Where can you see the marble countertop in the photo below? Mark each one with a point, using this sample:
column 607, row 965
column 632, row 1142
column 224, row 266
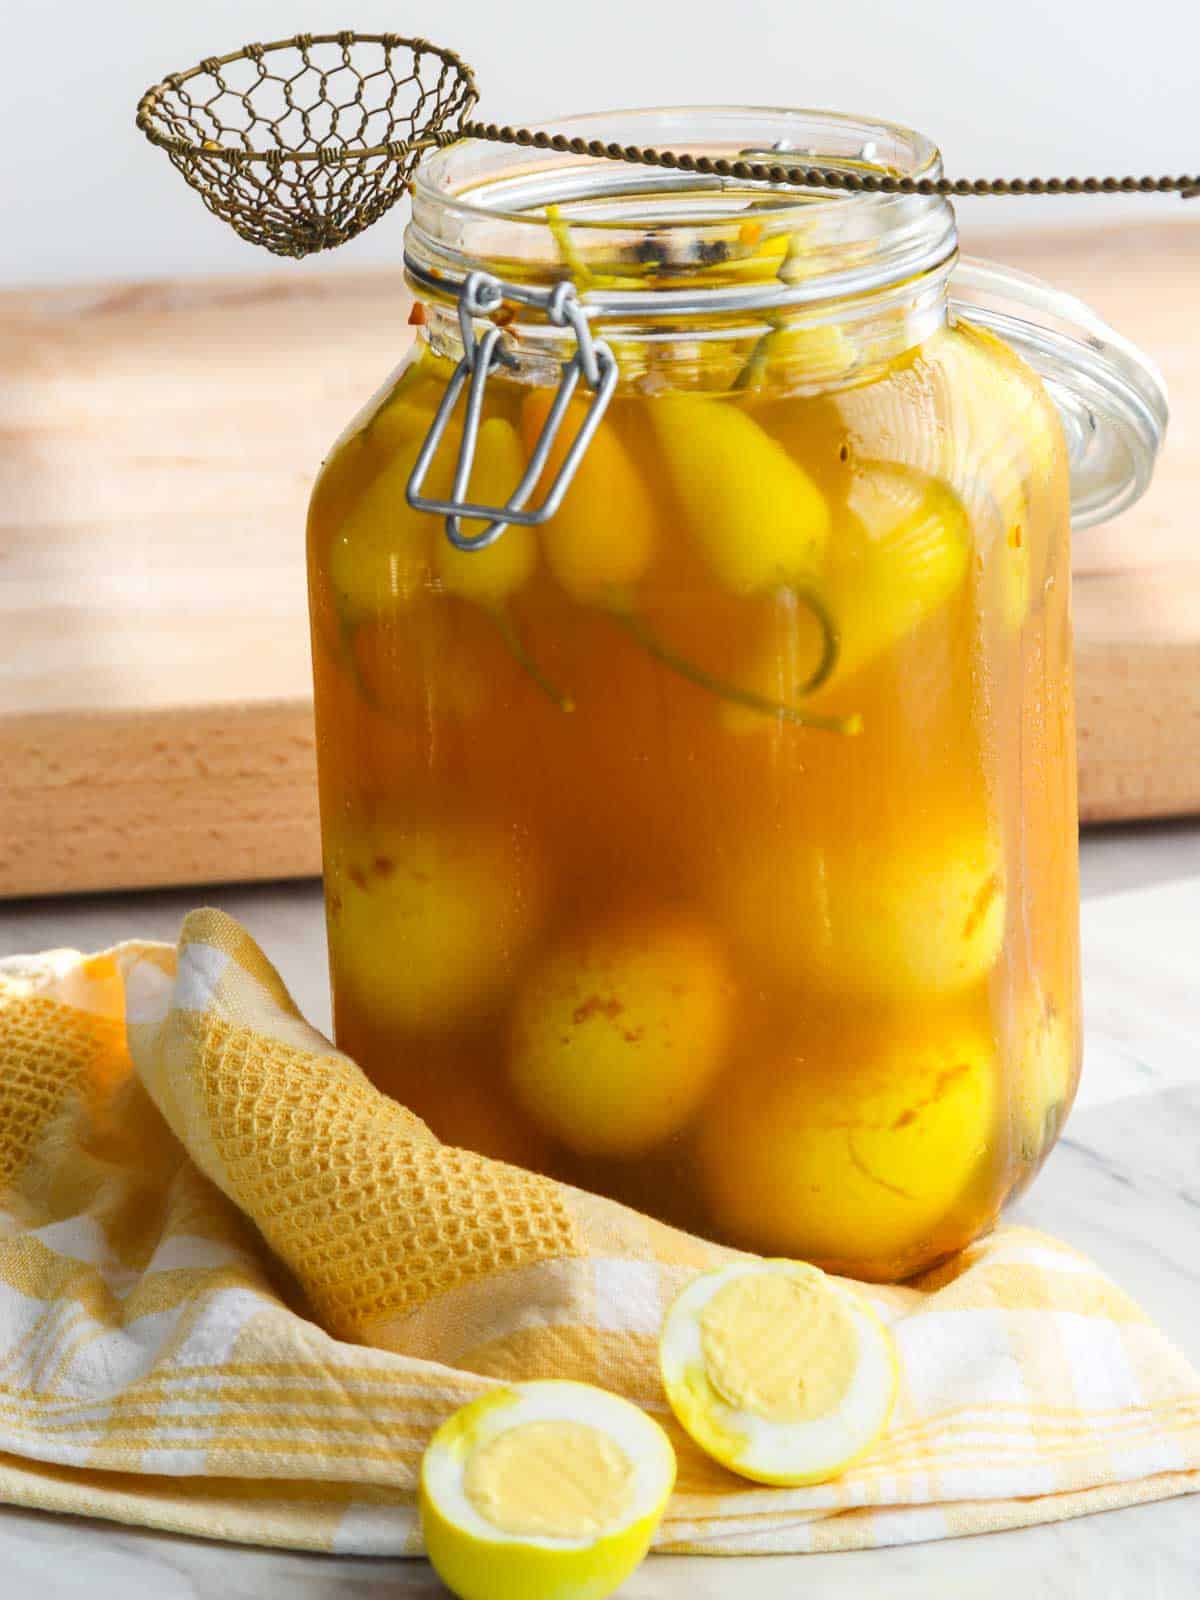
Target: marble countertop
column 1123, row 1186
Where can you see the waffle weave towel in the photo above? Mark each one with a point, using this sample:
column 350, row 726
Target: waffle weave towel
column 239, row 1288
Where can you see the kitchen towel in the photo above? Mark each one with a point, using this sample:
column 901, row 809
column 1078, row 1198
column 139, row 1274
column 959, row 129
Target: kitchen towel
column 239, row 1288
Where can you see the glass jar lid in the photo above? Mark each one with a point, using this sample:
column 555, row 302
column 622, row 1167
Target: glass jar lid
column 1109, row 395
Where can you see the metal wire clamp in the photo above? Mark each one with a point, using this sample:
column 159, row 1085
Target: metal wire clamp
column 481, row 296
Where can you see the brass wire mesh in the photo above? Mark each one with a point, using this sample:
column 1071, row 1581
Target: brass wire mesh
column 302, row 143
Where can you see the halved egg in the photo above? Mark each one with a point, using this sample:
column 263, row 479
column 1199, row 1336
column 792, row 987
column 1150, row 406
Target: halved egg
column 777, row 1372
column 543, row 1491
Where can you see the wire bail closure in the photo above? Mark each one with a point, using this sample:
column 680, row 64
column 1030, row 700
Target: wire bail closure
column 480, row 297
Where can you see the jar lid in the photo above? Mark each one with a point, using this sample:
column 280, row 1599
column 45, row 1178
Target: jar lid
column 1109, row 395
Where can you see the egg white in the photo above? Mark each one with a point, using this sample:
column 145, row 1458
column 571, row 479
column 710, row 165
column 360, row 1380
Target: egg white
column 641, row 1440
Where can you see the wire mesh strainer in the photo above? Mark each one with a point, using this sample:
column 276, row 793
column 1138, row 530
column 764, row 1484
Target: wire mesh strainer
column 302, row 143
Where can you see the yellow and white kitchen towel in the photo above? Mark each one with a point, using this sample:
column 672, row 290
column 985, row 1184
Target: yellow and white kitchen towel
column 239, row 1288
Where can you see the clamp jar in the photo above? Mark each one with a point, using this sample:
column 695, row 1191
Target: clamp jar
column 692, row 649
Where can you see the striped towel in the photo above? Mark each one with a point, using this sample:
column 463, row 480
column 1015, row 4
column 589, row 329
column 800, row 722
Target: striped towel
column 239, row 1288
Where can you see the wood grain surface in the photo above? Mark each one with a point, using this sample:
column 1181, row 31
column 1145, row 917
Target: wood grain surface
column 157, row 445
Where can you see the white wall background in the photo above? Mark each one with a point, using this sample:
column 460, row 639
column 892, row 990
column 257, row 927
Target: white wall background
column 1027, row 86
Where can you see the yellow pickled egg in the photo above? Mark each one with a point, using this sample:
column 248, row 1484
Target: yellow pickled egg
column 601, row 540
column 429, row 924
column 489, row 576
column 381, row 552
column 777, row 1372
column 758, row 517
column 619, row 1031
column 549, row 1490
column 895, row 916
column 1045, row 1077
column 856, row 1149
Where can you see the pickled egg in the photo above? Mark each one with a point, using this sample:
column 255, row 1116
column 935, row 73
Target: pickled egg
column 900, row 914
column 549, row 1490
column 380, row 556
column 777, row 1372
column 619, row 1031
column 428, row 924
column 855, row 1149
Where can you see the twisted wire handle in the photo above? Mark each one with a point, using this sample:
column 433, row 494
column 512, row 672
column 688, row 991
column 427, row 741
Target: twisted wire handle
column 1186, row 185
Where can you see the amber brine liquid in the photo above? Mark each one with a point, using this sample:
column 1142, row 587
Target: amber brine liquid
column 713, row 847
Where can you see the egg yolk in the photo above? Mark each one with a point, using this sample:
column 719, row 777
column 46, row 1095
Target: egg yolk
column 782, row 1348
column 551, row 1479
column 619, row 1032
column 428, row 924
column 856, row 1150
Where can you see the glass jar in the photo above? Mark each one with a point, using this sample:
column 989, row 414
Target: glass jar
column 711, row 843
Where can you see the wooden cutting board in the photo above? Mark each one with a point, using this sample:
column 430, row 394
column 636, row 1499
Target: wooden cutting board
column 157, row 444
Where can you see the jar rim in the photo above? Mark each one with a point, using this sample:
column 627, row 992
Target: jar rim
column 660, row 241
column 846, row 140
column 855, row 248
